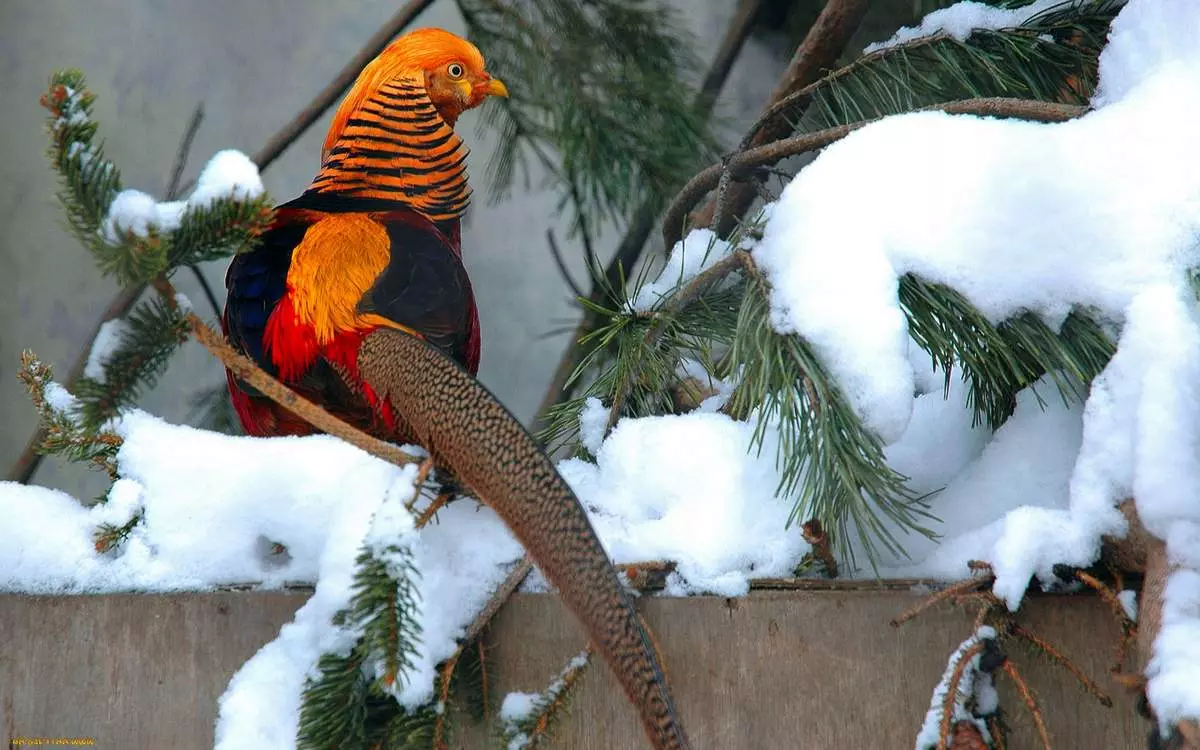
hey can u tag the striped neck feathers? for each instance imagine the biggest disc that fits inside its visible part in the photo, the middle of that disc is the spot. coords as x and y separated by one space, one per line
388 142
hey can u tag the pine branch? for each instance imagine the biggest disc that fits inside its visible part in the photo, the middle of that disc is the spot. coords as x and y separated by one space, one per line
564 379
668 314
1001 360
591 81
1052 57
634 367
828 460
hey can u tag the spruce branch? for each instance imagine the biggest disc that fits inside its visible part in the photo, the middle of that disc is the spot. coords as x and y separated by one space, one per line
61 431
534 729
954 698
333 712
109 536
154 330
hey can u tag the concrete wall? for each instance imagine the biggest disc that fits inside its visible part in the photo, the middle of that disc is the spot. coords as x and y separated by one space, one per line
253 65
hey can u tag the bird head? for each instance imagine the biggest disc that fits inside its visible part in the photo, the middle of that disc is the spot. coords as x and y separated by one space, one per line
455 78
451 67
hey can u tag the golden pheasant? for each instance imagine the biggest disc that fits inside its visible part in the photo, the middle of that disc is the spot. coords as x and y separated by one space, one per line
357 298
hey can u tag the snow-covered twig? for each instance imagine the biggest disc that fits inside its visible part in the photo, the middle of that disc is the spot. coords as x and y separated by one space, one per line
776 151
819 51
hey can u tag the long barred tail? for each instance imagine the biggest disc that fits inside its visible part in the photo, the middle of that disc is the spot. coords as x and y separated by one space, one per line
465 428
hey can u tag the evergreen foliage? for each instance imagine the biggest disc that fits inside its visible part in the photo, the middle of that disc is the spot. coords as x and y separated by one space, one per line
64 435
1051 57
831 465
154 330
535 729
602 102
88 185
350 705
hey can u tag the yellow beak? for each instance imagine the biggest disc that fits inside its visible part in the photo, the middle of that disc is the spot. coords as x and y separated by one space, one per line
496 87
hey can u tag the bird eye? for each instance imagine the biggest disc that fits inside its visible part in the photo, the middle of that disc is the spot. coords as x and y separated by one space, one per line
454 70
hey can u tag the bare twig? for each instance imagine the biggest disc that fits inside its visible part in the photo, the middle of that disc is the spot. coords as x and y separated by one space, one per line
439 725
562 264
438 503
1057 656
955 589
245 369
821 48
173 189
501 595
642 224
185 148
1027 696
774 152
29 460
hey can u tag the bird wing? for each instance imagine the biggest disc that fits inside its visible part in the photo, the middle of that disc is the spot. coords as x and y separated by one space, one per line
425 288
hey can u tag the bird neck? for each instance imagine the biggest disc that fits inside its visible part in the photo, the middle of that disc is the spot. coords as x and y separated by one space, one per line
389 143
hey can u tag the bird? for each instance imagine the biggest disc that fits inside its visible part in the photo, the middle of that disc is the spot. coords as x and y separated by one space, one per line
357 298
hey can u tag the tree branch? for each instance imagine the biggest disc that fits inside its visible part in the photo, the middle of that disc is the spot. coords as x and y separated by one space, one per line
27 463
562 264
821 48
185 148
245 369
742 163
629 250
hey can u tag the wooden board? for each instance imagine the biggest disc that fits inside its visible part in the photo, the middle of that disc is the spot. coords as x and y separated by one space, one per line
777 669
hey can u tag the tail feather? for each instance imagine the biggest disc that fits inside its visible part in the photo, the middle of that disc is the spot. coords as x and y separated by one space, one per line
466 429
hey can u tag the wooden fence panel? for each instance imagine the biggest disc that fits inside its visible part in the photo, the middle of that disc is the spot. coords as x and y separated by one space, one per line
778 669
